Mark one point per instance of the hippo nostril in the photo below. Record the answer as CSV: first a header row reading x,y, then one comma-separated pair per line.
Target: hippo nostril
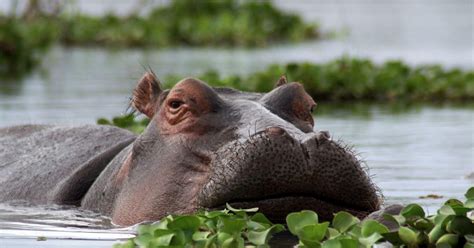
x,y
275,131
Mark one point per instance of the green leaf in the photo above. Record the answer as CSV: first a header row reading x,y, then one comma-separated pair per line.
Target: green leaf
x,y
469,238
370,240
436,233
315,232
260,218
163,240
393,238
222,236
332,233
446,210
237,210
460,225
453,202
370,227
233,242
398,219
262,237
298,220
469,245
412,210
143,239
231,225
423,224
185,222
201,235
408,236
340,243
470,194
214,214
450,239
460,210
469,204
343,221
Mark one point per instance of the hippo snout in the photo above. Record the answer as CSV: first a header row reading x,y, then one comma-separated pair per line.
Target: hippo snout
x,y
280,174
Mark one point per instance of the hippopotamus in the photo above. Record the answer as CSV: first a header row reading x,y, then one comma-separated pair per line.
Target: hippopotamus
x,y
203,147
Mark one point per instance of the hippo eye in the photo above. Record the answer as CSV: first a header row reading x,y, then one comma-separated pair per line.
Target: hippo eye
x,y
311,109
175,104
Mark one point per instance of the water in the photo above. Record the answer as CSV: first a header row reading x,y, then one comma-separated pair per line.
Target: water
x,y
411,152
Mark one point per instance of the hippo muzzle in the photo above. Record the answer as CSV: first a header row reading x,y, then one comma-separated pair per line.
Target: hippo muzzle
x,y
280,174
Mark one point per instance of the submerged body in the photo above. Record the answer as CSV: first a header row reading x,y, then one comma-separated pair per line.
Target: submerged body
x,y
204,147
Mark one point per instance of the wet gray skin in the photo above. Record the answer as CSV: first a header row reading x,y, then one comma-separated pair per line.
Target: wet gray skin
x,y
204,147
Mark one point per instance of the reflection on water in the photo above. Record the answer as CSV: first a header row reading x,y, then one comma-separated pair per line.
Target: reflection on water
x,y
21,224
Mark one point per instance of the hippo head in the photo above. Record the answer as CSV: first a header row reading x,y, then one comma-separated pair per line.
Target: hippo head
x,y
205,147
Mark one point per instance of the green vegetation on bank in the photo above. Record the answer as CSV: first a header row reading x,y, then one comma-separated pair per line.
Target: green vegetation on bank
x,y
192,23
356,79
451,226
183,22
22,45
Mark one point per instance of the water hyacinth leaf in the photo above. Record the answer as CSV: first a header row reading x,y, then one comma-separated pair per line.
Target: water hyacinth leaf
x,y
233,242
186,222
446,210
469,204
343,221
408,236
453,202
460,210
231,225
222,236
449,239
201,236
315,232
393,238
370,240
423,224
355,231
469,238
163,240
349,243
262,237
469,245
460,225
261,218
144,229
256,226
296,221
237,210
211,224
436,233
398,219
412,210
340,243
470,194
143,239
332,233
214,214
370,227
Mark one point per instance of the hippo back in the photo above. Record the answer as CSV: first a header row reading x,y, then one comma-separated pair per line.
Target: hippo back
x,y
45,163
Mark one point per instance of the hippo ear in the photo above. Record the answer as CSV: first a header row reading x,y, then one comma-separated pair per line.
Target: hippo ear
x,y
146,94
281,81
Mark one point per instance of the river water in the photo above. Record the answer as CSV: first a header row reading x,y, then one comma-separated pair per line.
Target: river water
x,y
410,151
